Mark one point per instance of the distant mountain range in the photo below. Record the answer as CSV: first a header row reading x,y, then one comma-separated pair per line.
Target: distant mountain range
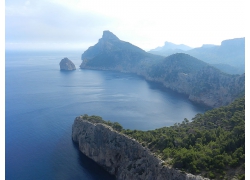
x,y
171,46
229,57
200,81
169,49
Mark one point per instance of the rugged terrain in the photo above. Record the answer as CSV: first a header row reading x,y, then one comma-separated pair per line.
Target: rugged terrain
x,y
120,155
211,145
201,82
229,57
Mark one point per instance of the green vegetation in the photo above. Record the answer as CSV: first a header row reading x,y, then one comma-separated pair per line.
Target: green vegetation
x,y
97,119
212,144
169,68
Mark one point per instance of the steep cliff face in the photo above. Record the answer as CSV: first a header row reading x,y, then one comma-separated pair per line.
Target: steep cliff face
x,y
120,155
201,82
215,89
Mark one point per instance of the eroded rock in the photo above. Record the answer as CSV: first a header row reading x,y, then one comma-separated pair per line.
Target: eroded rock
x,y
67,65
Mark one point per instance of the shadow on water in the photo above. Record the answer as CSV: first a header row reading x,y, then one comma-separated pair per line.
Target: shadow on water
x,y
67,71
91,166
160,87
67,74
68,163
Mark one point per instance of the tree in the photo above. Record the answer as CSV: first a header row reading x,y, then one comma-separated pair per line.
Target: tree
x,y
116,126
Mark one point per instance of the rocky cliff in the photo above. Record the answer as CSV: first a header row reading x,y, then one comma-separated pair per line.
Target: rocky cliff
x,y
66,64
201,82
120,155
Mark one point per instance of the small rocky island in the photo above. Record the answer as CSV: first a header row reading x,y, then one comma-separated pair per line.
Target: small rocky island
x,y
67,65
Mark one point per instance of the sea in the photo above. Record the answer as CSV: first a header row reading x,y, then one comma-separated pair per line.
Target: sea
x,y
41,103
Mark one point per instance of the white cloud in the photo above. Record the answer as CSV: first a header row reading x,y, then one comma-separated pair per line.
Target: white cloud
x,y
51,23
147,24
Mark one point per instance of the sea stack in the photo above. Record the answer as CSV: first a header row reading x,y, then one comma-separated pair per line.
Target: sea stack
x,y
67,65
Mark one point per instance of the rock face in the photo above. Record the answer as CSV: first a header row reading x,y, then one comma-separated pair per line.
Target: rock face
x,y
201,82
120,155
67,65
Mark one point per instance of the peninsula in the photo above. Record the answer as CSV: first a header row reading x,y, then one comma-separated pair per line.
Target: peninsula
x,y
210,146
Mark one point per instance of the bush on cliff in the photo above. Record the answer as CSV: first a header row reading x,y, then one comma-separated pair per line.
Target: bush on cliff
x,y
212,142
97,119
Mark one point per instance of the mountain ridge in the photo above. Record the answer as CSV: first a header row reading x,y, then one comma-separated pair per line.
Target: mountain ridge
x,y
180,72
169,45
229,56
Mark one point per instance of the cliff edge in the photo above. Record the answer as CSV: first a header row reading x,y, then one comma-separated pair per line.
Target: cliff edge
x,y
120,155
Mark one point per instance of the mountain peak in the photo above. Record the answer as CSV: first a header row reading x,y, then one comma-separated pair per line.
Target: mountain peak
x,y
171,47
107,35
168,43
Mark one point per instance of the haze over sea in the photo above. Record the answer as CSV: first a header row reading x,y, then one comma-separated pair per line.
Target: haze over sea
x,y
42,103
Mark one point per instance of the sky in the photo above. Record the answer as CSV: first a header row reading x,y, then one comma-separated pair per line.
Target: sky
x,y
78,24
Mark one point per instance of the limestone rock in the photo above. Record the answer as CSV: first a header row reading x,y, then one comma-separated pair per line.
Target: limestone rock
x,y
107,35
120,155
67,65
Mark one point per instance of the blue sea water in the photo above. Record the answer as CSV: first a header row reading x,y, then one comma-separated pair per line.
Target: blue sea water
x,y
41,103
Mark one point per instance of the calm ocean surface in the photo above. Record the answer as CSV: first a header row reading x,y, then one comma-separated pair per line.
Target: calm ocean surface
x,y
41,103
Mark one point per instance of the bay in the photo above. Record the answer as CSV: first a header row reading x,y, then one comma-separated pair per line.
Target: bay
x,y
41,103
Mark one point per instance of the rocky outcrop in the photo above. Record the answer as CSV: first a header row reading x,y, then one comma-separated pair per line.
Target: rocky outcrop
x,y
120,155
67,65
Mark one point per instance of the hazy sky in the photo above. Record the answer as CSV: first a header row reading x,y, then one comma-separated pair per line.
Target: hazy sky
x,y
78,24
